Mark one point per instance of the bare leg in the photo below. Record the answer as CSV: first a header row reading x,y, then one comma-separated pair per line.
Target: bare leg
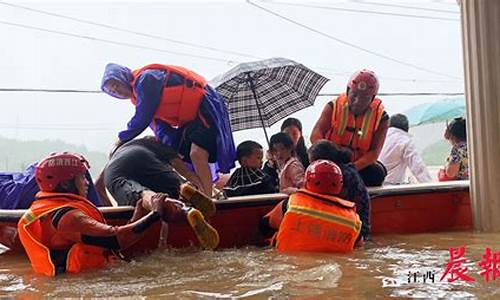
x,y
199,157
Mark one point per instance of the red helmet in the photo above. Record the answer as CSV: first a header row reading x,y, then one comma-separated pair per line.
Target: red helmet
x,y
59,167
364,82
324,177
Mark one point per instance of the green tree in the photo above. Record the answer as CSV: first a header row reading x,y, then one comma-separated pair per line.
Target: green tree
x,y
17,155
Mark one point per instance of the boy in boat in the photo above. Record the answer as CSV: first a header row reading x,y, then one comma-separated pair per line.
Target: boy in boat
x,y
63,232
315,219
249,179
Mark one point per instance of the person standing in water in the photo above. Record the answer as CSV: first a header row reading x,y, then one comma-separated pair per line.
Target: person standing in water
x,y
63,231
315,218
182,110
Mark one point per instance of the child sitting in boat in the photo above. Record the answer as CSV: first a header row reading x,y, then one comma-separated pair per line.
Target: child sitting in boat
x,y
292,127
249,179
315,218
63,231
457,165
291,171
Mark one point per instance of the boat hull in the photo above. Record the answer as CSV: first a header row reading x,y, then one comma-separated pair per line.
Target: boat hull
x,y
394,210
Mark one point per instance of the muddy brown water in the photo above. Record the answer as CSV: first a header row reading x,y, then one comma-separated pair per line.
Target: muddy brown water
x,y
390,266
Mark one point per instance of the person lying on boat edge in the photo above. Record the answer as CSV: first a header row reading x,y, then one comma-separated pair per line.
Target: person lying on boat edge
x,y
63,232
457,163
182,110
140,168
145,164
315,218
357,120
249,179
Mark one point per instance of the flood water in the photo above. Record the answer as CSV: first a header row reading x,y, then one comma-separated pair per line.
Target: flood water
x,y
386,268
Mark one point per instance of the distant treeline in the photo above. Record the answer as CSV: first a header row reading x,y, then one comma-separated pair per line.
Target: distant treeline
x,y
16,155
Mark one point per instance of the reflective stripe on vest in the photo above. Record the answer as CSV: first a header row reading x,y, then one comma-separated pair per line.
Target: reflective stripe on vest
x,y
355,133
318,223
179,103
80,256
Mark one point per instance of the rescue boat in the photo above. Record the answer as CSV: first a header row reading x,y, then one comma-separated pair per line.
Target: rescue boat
x,y
401,209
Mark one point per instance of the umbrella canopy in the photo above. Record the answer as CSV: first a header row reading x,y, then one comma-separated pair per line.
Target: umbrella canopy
x,y
437,111
259,94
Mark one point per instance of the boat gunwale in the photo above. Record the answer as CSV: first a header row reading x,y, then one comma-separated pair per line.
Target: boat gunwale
x,y
13,215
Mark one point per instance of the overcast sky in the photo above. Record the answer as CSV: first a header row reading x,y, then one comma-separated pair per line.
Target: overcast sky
x,y
211,37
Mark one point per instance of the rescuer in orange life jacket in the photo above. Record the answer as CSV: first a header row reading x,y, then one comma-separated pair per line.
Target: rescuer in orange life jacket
x,y
183,111
356,120
64,232
315,219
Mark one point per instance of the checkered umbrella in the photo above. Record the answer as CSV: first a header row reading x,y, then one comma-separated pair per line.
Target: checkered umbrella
x,y
260,93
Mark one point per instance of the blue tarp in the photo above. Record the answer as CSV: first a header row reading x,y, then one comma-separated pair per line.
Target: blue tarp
x,y
18,189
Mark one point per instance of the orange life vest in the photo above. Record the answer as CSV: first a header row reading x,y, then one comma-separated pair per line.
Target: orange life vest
x,y
354,132
179,103
318,223
275,216
80,256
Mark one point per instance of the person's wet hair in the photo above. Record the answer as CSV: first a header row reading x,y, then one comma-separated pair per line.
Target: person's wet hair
x,y
281,138
457,128
325,149
399,121
246,148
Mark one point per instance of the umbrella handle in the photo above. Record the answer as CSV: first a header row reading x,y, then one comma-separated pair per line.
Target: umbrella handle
x,y
252,87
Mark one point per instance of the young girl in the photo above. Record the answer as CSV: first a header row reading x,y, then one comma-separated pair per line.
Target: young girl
x,y
291,170
457,166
